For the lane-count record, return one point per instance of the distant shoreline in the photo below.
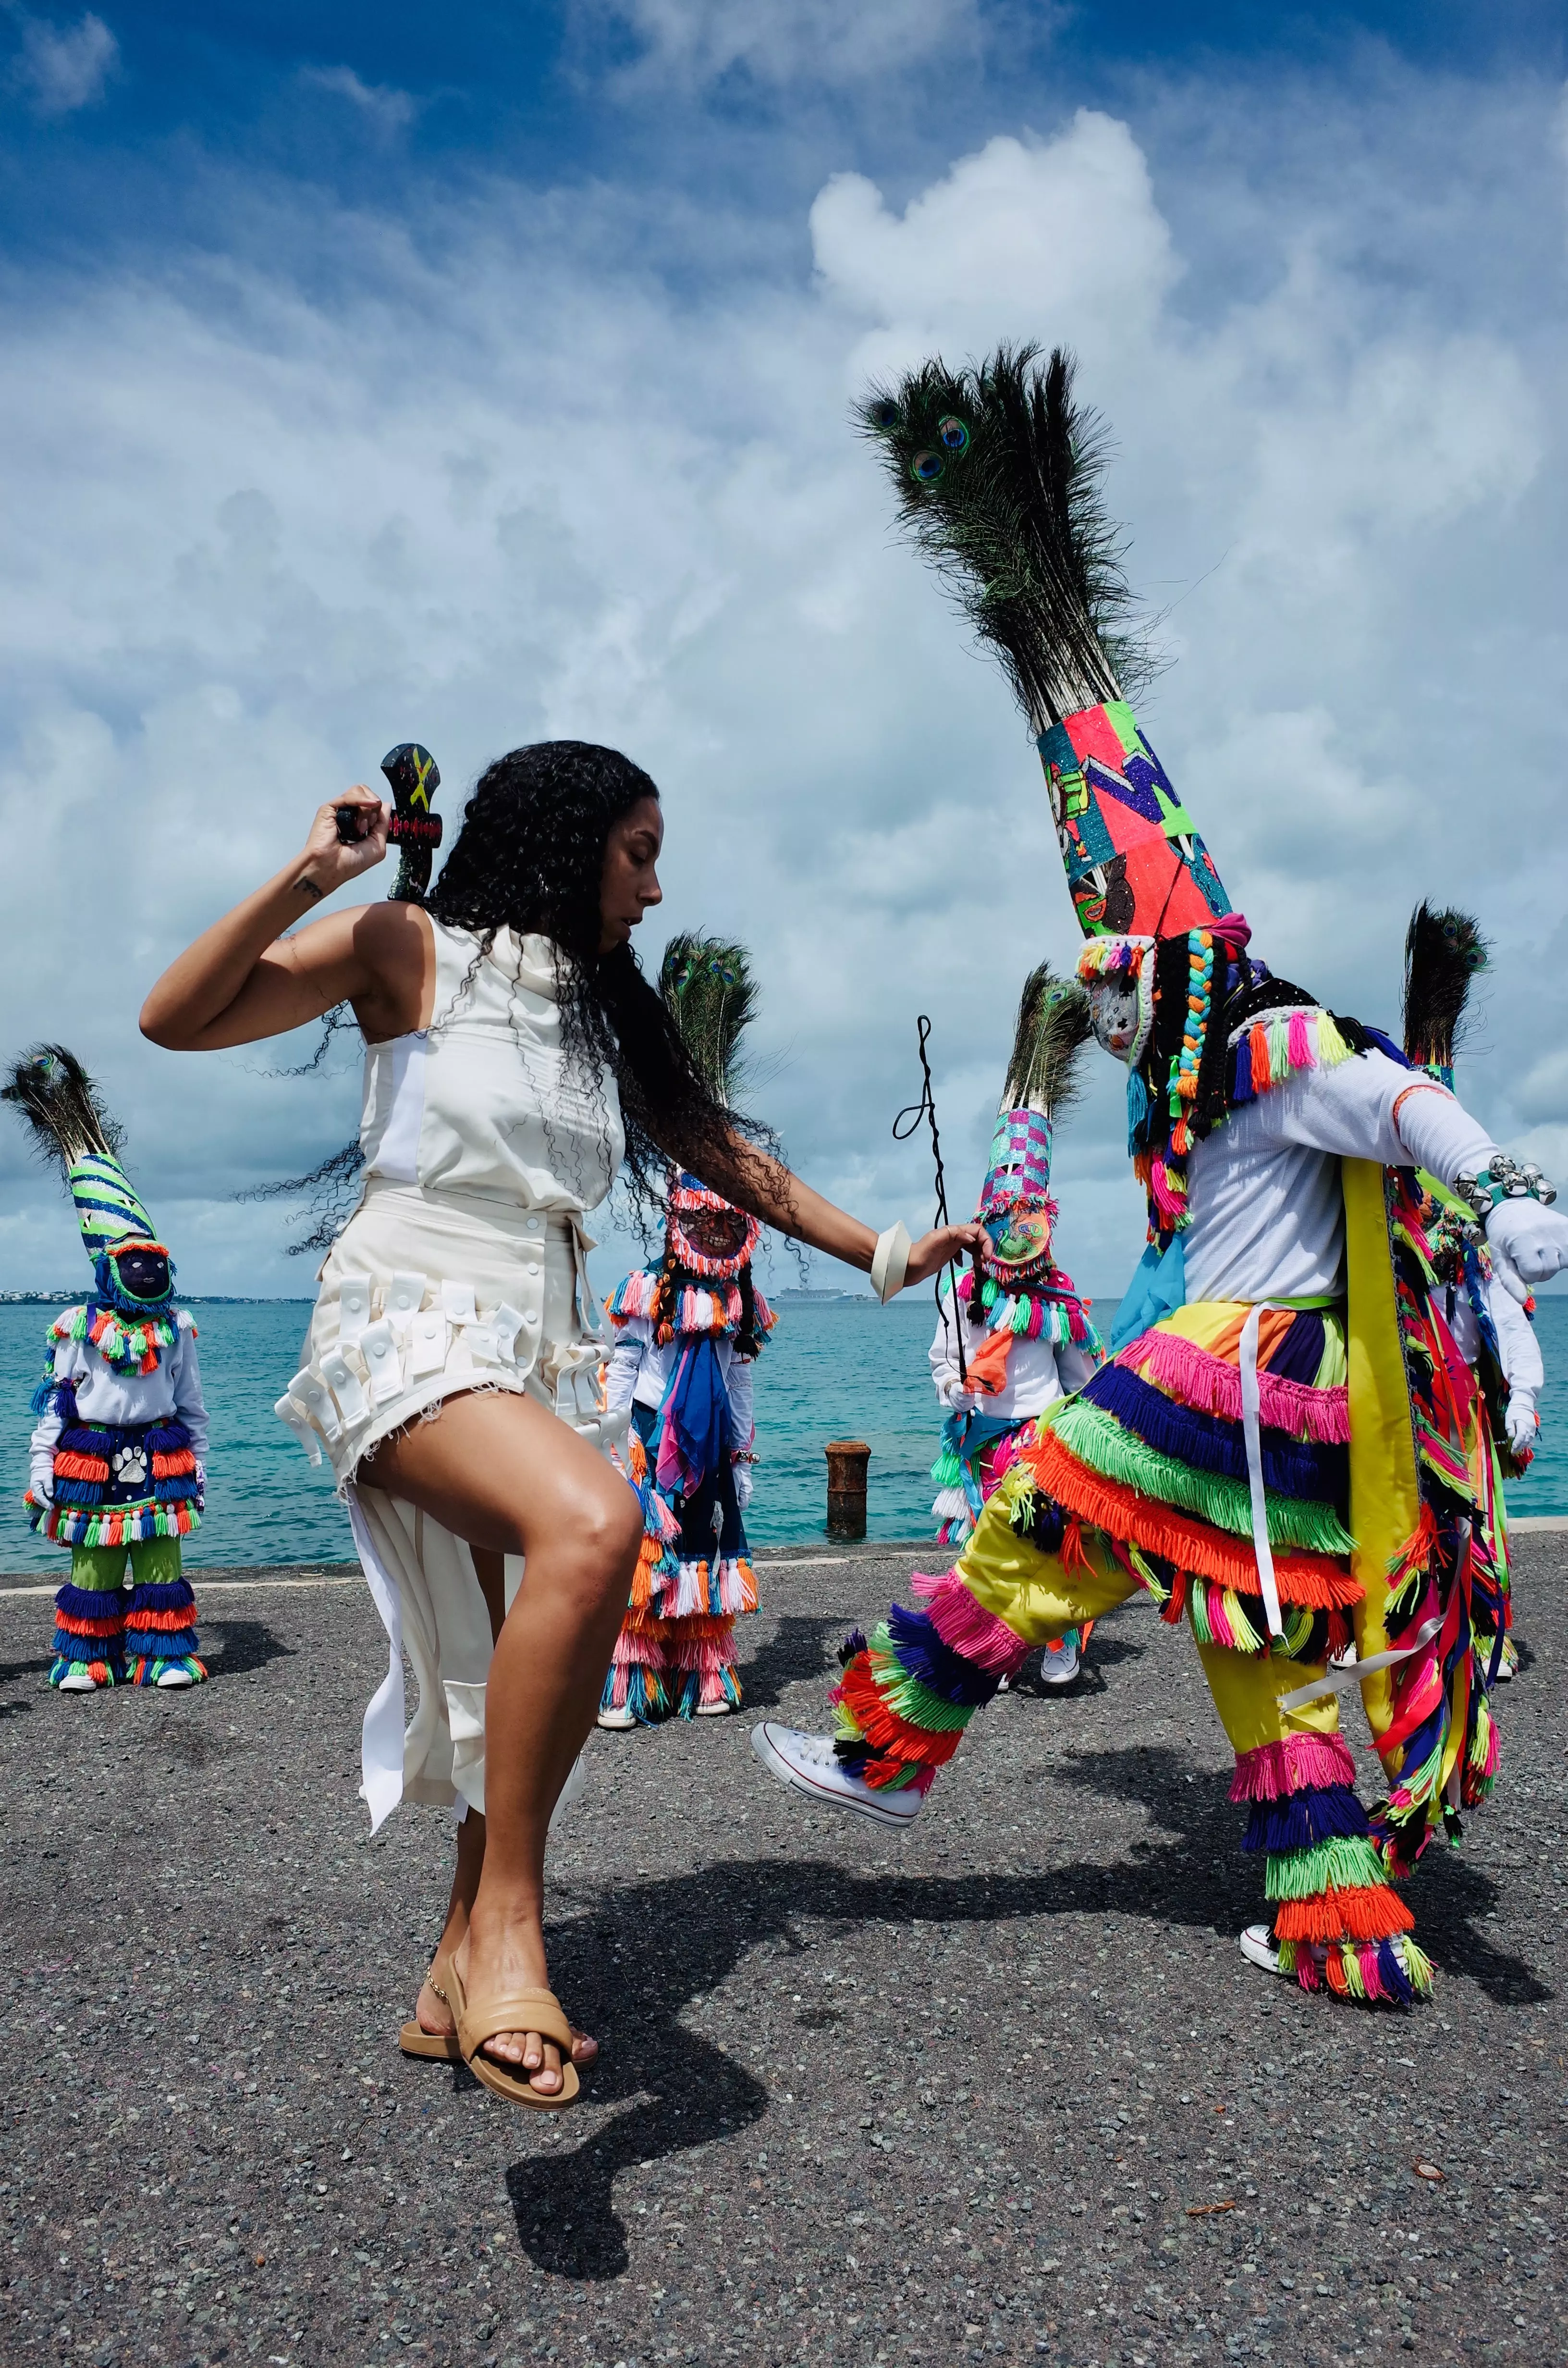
(185, 1299)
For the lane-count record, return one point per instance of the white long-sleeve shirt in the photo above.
(172, 1389)
(1038, 1372)
(1264, 1190)
(641, 1367)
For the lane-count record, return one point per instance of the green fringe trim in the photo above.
(1099, 1440)
(844, 1729)
(1417, 1963)
(946, 1471)
(1244, 1637)
(912, 1700)
(1349, 1862)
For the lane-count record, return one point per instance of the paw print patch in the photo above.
(129, 1464)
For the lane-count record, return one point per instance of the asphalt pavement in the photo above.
(1001, 2087)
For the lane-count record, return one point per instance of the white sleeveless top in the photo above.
(481, 1101)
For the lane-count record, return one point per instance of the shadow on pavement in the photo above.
(800, 1648)
(1450, 1896)
(12, 1672)
(686, 1935)
(244, 1645)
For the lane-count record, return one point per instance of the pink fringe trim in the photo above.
(965, 1628)
(1296, 1763)
(1197, 1379)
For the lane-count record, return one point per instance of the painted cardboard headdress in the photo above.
(707, 987)
(998, 473)
(72, 1128)
(1016, 1206)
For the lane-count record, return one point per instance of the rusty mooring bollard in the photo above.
(847, 1461)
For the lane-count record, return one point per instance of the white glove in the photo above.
(1529, 1245)
(743, 1485)
(40, 1480)
(1522, 1420)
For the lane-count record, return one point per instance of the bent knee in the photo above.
(606, 1523)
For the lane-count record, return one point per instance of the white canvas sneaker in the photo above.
(1259, 1948)
(809, 1764)
(77, 1681)
(1060, 1668)
(617, 1722)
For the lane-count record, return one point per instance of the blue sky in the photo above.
(478, 374)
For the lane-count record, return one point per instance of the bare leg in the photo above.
(434, 2012)
(502, 1472)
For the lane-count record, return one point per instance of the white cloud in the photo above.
(389, 109)
(1064, 230)
(698, 42)
(63, 68)
(252, 546)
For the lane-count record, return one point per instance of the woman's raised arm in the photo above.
(242, 979)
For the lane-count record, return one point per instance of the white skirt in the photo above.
(424, 1295)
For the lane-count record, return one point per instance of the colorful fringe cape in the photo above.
(712, 1310)
(1462, 1262)
(126, 1345)
(1416, 1520)
(636, 1680)
(975, 1457)
(1051, 1310)
(675, 1652)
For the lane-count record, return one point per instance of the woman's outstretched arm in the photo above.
(757, 1182)
(242, 979)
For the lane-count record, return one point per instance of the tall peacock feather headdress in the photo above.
(1052, 1028)
(1443, 953)
(71, 1128)
(998, 472)
(708, 992)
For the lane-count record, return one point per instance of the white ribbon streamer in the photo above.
(1251, 1402)
(1354, 1671)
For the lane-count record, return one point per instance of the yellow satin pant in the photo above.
(1039, 1597)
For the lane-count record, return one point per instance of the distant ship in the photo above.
(819, 1298)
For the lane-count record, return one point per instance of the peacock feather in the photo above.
(709, 991)
(998, 473)
(1443, 953)
(1053, 1028)
(61, 1107)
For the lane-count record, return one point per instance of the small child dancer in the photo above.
(116, 1458)
(1024, 1338)
(687, 1334)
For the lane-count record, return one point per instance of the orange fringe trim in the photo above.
(173, 1467)
(1370, 1912)
(73, 1465)
(884, 1730)
(1315, 1582)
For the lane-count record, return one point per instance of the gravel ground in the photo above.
(999, 2087)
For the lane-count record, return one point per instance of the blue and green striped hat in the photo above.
(109, 1210)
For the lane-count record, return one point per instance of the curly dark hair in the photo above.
(530, 857)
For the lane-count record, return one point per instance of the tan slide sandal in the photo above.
(478, 2019)
(433, 2046)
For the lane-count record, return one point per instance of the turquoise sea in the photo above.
(833, 1369)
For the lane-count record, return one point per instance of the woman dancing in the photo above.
(515, 1056)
